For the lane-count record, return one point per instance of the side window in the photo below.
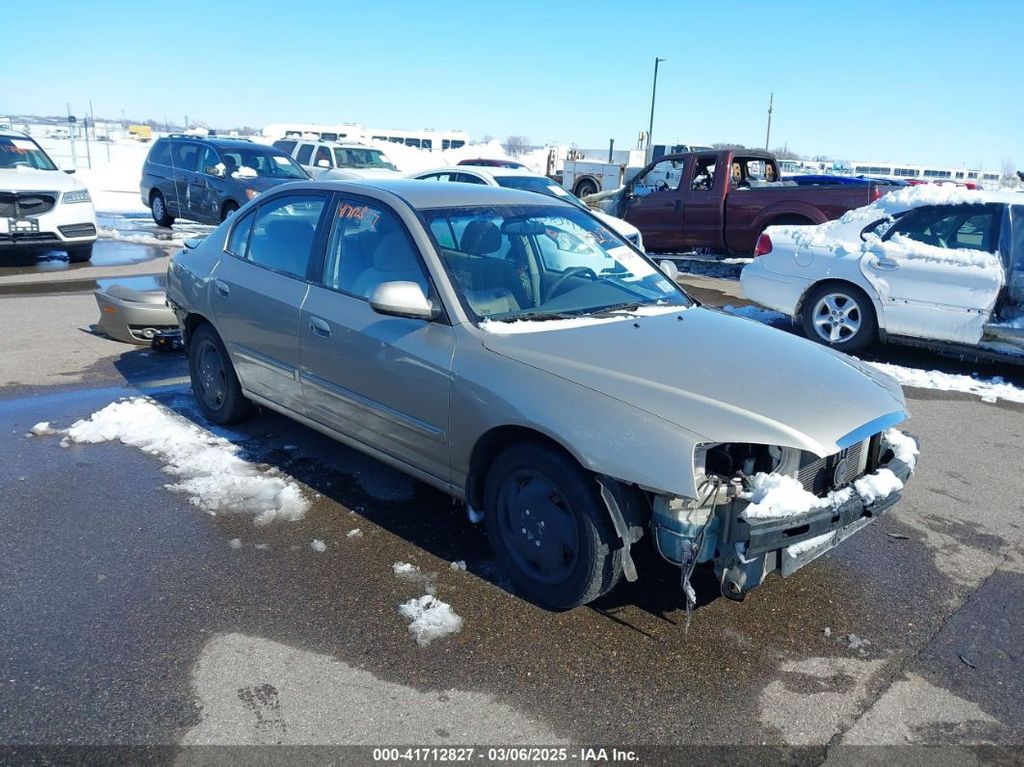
(185, 155)
(208, 160)
(161, 153)
(664, 176)
(286, 146)
(975, 233)
(959, 226)
(323, 154)
(238, 241)
(436, 177)
(704, 175)
(468, 178)
(305, 152)
(369, 246)
(442, 230)
(283, 231)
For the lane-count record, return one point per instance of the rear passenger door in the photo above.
(258, 290)
(382, 381)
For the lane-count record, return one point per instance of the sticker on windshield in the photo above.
(557, 190)
(359, 213)
(632, 261)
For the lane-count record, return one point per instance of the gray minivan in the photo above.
(207, 179)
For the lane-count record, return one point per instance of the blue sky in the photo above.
(907, 80)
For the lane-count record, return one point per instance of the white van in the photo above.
(338, 159)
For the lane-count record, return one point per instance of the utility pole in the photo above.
(654, 94)
(768, 136)
(71, 136)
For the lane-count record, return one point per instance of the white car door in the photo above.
(937, 272)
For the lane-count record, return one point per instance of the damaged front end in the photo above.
(764, 508)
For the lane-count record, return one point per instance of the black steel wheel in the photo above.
(214, 382)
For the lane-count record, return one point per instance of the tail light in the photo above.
(764, 245)
(876, 192)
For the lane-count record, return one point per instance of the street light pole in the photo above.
(654, 93)
(768, 135)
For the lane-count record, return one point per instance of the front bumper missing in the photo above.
(748, 549)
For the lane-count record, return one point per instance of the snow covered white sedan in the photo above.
(934, 266)
(514, 352)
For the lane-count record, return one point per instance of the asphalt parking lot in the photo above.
(131, 618)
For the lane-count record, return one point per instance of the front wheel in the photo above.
(840, 316)
(80, 255)
(549, 527)
(159, 209)
(214, 382)
(228, 210)
(585, 187)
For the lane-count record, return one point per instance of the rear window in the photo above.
(286, 145)
(161, 153)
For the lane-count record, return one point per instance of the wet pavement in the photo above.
(129, 617)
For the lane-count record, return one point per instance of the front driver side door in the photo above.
(654, 204)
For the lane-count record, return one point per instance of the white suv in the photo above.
(338, 159)
(41, 208)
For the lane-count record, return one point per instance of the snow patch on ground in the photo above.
(208, 467)
(318, 546)
(988, 389)
(404, 569)
(42, 429)
(431, 619)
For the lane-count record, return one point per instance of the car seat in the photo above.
(393, 261)
(491, 285)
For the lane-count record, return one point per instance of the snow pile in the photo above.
(235, 543)
(412, 160)
(114, 184)
(988, 389)
(903, 447)
(174, 239)
(404, 569)
(208, 467)
(881, 484)
(535, 326)
(43, 428)
(773, 496)
(900, 247)
(353, 534)
(318, 546)
(431, 619)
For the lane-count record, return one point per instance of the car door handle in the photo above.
(884, 264)
(222, 287)
(319, 327)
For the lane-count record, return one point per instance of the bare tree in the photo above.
(1009, 172)
(487, 138)
(517, 145)
(726, 145)
(785, 153)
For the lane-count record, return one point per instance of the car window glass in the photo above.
(467, 178)
(369, 246)
(161, 153)
(285, 146)
(185, 155)
(239, 239)
(704, 175)
(305, 152)
(283, 231)
(663, 176)
(208, 160)
(322, 153)
(975, 233)
(959, 226)
(443, 233)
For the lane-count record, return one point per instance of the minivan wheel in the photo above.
(159, 210)
(226, 211)
(840, 316)
(549, 527)
(214, 382)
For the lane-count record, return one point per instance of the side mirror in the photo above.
(402, 299)
(216, 170)
(70, 171)
(669, 268)
(323, 163)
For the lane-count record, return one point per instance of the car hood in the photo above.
(624, 228)
(719, 377)
(33, 180)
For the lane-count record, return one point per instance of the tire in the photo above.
(840, 316)
(80, 254)
(585, 187)
(549, 527)
(227, 209)
(214, 382)
(158, 207)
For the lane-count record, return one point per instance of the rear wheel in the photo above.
(214, 382)
(585, 187)
(159, 209)
(549, 527)
(840, 316)
(80, 255)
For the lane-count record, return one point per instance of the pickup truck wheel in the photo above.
(549, 527)
(214, 382)
(585, 187)
(159, 209)
(840, 316)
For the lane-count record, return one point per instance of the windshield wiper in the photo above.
(538, 317)
(626, 306)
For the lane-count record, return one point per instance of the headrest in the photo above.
(480, 238)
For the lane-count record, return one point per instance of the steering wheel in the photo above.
(661, 185)
(572, 271)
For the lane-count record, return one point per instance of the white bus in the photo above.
(428, 139)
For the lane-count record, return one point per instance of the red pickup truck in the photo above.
(722, 201)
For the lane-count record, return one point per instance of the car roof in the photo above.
(11, 133)
(485, 170)
(342, 144)
(224, 143)
(422, 196)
